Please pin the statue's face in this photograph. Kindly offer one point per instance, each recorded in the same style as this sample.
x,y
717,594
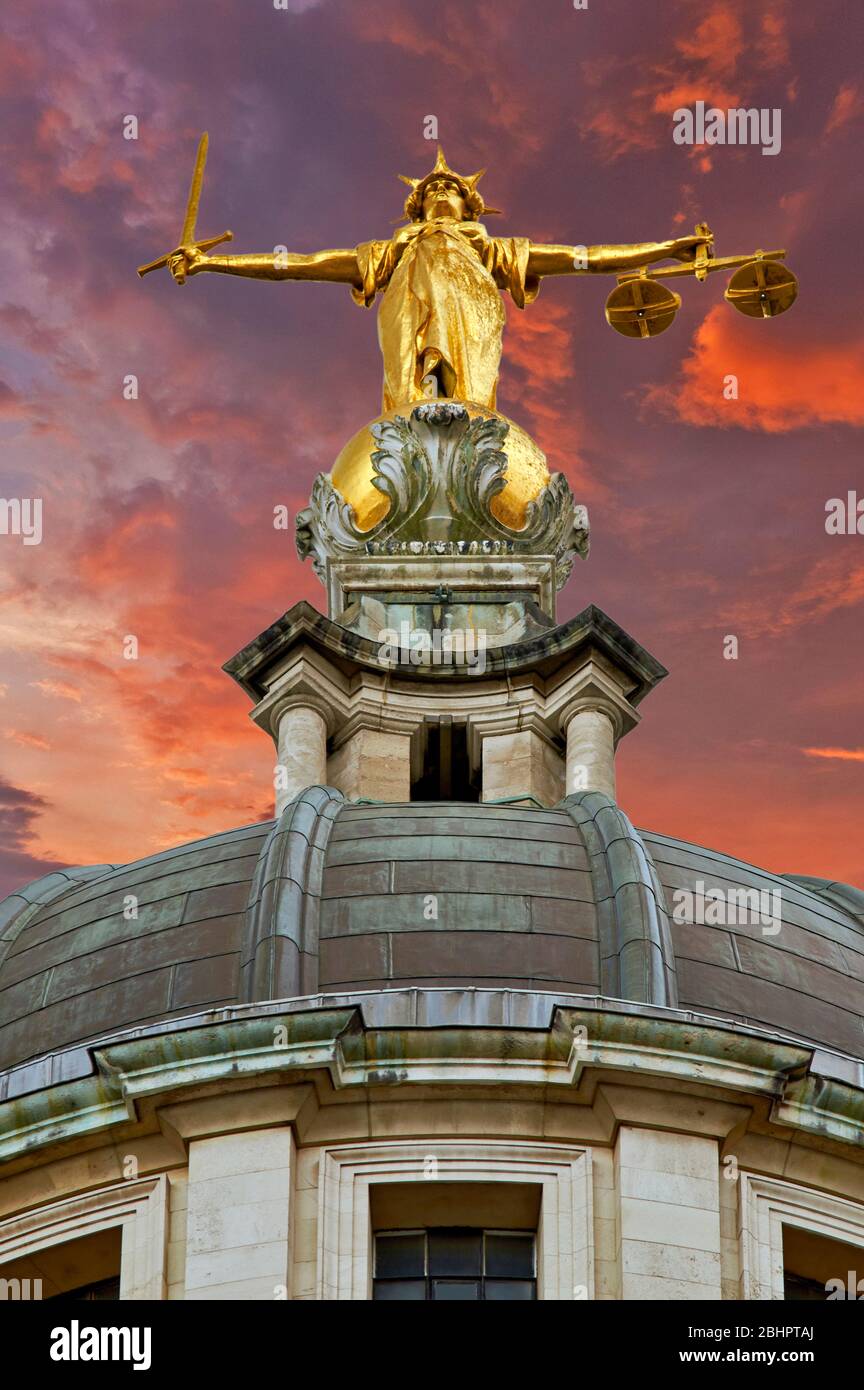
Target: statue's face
x,y
443,199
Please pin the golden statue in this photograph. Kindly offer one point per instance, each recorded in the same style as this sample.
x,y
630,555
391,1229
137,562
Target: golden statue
x,y
440,275
441,319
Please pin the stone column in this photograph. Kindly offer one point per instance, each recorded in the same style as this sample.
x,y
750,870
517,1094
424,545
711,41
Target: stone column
x,y
301,744
590,750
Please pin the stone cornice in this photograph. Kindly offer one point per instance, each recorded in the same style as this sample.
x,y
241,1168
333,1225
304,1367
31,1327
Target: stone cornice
x,y
549,655
491,1038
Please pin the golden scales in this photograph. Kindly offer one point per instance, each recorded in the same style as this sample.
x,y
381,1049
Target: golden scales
x,y
761,287
639,307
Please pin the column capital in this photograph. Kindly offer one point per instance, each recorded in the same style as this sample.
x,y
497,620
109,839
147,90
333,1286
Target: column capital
x,y
598,704
285,703
592,687
270,711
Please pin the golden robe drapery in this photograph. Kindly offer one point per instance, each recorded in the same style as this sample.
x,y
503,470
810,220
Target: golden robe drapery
x,y
441,284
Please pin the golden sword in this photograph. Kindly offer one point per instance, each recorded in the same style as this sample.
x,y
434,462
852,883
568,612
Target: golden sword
x,y
187,235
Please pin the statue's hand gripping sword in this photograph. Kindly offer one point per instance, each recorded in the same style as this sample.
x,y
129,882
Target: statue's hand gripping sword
x,y
187,235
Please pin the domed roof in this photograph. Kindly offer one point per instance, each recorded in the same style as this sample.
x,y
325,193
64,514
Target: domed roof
x,y
526,475
339,897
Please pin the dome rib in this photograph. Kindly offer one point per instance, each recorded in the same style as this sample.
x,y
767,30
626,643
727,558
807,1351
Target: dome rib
x,y
279,955
17,910
637,961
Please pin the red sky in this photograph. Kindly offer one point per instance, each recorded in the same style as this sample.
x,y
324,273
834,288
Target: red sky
x,y
708,515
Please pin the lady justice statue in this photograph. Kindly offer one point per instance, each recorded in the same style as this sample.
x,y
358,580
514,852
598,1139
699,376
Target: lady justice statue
x,y
440,324
440,275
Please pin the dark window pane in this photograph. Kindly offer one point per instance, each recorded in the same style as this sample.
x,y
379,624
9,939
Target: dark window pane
x,y
509,1290
400,1256
401,1290
105,1291
453,1291
455,1252
796,1287
509,1256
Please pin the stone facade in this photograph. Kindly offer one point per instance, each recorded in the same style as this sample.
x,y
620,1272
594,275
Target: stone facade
x,y
428,1000
261,1185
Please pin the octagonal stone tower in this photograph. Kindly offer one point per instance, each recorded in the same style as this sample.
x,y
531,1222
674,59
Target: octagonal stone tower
x,y
441,667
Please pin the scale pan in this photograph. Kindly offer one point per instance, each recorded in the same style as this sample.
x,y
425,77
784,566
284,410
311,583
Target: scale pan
x,y
641,308
762,289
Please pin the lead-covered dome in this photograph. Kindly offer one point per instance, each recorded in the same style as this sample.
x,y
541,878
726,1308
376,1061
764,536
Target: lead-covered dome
x,y
336,897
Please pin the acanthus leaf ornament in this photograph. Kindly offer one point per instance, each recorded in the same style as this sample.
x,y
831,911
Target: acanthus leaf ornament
x,y
441,469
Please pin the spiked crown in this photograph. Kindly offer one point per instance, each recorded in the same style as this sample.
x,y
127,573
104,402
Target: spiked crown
x,y
466,183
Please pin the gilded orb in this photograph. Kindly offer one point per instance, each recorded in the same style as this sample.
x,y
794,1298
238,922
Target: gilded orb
x,y
527,472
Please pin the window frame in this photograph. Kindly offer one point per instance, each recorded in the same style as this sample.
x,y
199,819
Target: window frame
x,y
565,1234
139,1207
765,1206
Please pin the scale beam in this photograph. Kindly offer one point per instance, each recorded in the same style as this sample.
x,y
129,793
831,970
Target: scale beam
x,y
715,263
761,287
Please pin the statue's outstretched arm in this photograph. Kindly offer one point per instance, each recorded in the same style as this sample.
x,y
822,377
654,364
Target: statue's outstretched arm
x,y
609,260
338,266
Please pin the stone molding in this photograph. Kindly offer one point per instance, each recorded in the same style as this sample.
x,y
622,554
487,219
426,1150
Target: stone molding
x,y
593,686
591,635
765,1205
139,1207
810,1095
300,700
565,1244
597,703
528,1038
440,469
461,574
494,702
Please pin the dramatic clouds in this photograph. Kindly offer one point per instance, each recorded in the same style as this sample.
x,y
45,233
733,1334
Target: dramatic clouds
x,y
707,512
779,387
19,810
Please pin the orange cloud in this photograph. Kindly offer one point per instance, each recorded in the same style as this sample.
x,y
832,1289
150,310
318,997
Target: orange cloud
x,y
721,59
847,104
826,587
717,42
28,740
539,343
852,755
772,46
689,92
61,689
780,386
